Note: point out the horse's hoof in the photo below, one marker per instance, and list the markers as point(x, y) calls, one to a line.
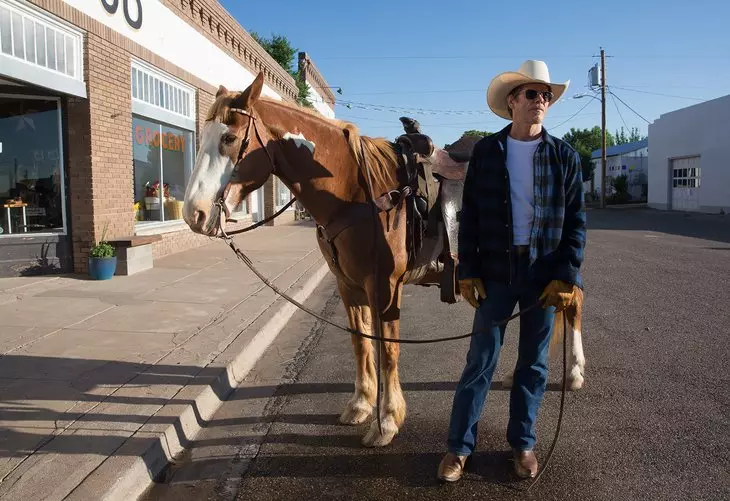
point(575, 379)
point(354, 415)
point(373, 438)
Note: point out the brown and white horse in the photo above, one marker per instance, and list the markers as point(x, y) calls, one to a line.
point(245, 140)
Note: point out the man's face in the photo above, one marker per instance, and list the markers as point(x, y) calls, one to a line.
point(530, 103)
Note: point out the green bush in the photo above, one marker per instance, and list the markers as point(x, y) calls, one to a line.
point(621, 184)
point(102, 250)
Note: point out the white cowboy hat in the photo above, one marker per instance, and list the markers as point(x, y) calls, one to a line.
point(531, 71)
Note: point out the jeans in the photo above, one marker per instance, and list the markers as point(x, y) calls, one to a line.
point(530, 376)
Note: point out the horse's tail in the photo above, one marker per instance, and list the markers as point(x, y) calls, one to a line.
point(571, 318)
point(558, 337)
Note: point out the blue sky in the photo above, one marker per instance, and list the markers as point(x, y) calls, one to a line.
point(441, 56)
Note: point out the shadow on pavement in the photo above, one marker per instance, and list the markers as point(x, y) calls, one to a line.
point(714, 227)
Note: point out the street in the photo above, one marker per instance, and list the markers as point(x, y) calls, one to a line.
point(651, 421)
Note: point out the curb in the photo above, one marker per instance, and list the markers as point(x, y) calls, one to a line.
point(134, 473)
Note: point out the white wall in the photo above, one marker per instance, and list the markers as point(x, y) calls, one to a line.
point(175, 40)
point(319, 102)
point(636, 162)
point(703, 129)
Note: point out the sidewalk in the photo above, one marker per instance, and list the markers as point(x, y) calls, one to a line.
point(102, 382)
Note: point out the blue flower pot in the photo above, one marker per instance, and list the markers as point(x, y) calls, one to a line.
point(102, 268)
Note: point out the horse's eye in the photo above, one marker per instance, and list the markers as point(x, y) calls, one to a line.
point(229, 139)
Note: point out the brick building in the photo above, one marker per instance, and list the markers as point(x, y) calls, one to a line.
point(101, 106)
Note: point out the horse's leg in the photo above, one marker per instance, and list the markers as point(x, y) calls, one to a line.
point(360, 406)
point(393, 405)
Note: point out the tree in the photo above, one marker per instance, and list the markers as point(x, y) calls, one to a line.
point(621, 184)
point(281, 50)
point(633, 136)
point(478, 133)
point(585, 141)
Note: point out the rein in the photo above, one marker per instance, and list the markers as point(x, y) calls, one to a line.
point(228, 238)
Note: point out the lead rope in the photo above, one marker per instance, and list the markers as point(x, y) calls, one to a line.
point(559, 426)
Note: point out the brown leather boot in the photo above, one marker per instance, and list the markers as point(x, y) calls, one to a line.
point(525, 463)
point(451, 467)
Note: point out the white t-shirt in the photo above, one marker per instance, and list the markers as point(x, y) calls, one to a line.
point(520, 156)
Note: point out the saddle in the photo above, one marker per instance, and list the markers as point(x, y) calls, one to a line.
point(431, 185)
point(436, 184)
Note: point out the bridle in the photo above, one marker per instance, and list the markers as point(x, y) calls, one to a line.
point(245, 142)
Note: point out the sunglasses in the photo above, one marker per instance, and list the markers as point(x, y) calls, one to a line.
point(532, 94)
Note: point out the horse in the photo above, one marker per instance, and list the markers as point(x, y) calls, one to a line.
point(335, 173)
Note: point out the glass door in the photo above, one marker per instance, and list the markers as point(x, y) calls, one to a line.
point(32, 193)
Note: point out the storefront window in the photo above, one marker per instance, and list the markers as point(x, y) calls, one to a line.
point(163, 157)
point(242, 208)
point(31, 166)
point(283, 195)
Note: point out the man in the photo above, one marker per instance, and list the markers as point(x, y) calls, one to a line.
point(521, 239)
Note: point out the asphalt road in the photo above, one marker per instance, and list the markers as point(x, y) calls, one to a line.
point(650, 423)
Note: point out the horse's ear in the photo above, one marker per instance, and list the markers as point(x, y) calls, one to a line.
point(248, 97)
point(255, 88)
point(221, 91)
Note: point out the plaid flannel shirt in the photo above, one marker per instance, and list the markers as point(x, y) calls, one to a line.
point(558, 235)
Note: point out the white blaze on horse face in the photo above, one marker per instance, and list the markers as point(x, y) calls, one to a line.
point(211, 173)
point(300, 140)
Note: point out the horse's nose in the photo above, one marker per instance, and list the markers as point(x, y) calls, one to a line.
point(198, 218)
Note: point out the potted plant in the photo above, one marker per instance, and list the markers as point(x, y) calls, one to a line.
point(152, 195)
point(138, 212)
point(102, 259)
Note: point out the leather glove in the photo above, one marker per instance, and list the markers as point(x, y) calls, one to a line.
point(466, 289)
point(559, 294)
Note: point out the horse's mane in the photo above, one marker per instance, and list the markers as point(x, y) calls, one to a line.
point(379, 153)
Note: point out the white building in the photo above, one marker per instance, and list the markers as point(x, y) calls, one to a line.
point(689, 168)
point(631, 159)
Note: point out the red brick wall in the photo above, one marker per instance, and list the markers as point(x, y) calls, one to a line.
point(100, 169)
point(78, 168)
point(111, 137)
point(178, 241)
point(204, 102)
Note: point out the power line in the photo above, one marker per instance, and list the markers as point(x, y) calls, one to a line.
point(531, 56)
point(667, 86)
point(528, 56)
point(572, 116)
point(619, 112)
point(408, 109)
point(398, 109)
point(629, 107)
point(444, 91)
point(672, 56)
point(656, 93)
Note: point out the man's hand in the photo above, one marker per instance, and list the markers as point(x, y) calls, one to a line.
point(466, 289)
point(559, 294)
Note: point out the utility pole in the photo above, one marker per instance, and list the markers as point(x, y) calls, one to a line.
point(603, 129)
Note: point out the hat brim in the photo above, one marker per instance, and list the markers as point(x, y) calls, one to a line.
point(501, 85)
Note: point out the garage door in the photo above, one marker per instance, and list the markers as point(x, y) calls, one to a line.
point(686, 184)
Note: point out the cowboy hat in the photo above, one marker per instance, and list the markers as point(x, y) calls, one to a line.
point(531, 71)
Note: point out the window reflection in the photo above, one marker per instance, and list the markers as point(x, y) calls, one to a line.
point(162, 164)
point(31, 170)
